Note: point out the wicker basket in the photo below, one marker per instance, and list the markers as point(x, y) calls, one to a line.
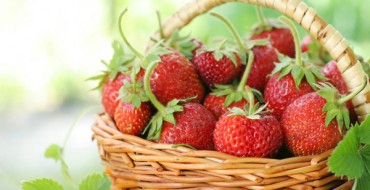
point(133, 162)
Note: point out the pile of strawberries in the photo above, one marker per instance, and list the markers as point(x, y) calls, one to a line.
point(245, 97)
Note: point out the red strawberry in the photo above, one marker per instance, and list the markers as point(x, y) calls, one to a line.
point(314, 122)
point(247, 135)
point(331, 72)
point(176, 78)
point(190, 123)
point(279, 35)
point(279, 93)
point(216, 104)
point(264, 62)
point(292, 78)
point(194, 126)
point(217, 70)
point(280, 38)
point(132, 120)
point(304, 127)
point(110, 92)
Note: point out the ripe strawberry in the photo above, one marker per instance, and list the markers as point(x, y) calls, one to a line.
point(250, 134)
point(279, 93)
point(217, 66)
point(132, 120)
point(280, 38)
point(190, 123)
point(228, 96)
point(176, 78)
point(308, 123)
point(264, 63)
point(279, 35)
point(331, 72)
point(215, 104)
point(291, 78)
point(194, 126)
point(110, 92)
point(304, 127)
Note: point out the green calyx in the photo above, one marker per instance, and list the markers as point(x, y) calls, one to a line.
point(120, 62)
point(241, 48)
point(335, 103)
point(133, 92)
point(184, 44)
point(165, 113)
point(222, 50)
point(251, 110)
point(298, 67)
point(236, 92)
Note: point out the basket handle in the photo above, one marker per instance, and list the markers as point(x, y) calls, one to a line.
point(326, 34)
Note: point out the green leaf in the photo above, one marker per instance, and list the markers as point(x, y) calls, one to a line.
point(54, 151)
point(41, 184)
point(345, 159)
point(95, 182)
point(362, 183)
point(364, 131)
point(298, 75)
point(310, 78)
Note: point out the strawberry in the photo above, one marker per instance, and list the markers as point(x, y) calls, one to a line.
point(132, 120)
point(264, 63)
point(291, 78)
point(248, 133)
point(306, 42)
point(216, 104)
point(279, 35)
point(194, 126)
point(331, 72)
point(176, 78)
point(279, 93)
point(227, 96)
point(190, 123)
point(110, 92)
point(308, 124)
point(217, 66)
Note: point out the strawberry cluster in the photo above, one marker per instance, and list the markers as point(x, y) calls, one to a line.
point(245, 97)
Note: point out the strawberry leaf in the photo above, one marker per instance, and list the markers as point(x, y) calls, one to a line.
point(184, 44)
point(351, 157)
point(345, 159)
point(54, 151)
point(41, 184)
point(95, 182)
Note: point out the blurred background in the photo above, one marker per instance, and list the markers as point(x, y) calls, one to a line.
point(49, 48)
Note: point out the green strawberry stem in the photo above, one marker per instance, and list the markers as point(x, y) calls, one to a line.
point(297, 41)
point(139, 55)
point(247, 70)
point(238, 39)
point(353, 93)
point(261, 17)
point(161, 33)
point(251, 100)
point(160, 107)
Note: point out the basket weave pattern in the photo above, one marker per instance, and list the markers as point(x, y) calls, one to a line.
point(133, 162)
